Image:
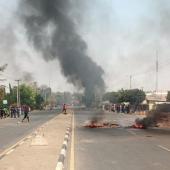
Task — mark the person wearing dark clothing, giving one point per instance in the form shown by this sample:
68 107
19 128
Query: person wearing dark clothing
11 112
14 112
26 113
118 108
1 113
18 112
64 109
127 109
123 108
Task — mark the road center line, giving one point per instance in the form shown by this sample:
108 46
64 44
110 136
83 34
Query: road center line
164 148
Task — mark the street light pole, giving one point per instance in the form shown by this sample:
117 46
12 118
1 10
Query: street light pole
157 70
18 93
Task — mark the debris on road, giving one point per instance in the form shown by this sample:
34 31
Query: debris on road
100 124
160 117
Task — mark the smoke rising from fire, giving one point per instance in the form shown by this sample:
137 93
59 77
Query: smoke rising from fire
52 30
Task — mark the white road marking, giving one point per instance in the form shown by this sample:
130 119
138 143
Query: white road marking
9 151
72 146
164 148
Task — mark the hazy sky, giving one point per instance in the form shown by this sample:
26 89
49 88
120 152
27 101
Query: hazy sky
122 36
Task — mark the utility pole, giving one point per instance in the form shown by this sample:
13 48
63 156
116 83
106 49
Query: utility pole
157 71
130 81
18 93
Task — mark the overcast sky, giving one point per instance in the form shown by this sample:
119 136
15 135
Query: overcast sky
122 36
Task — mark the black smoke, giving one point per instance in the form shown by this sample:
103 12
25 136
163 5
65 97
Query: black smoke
53 32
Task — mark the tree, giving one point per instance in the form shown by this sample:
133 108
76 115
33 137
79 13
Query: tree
134 96
38 101
27 95
2 94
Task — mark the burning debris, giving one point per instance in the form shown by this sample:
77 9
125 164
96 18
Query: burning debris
142 123
93 124
156 118
97 122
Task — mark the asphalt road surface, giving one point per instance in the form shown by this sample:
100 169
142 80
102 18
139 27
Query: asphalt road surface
12 130
119 148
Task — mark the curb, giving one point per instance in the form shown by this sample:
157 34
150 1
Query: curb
62 156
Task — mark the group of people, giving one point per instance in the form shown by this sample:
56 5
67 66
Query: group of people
15 112
121 108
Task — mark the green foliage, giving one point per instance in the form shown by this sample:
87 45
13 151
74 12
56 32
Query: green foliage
134 96
27 95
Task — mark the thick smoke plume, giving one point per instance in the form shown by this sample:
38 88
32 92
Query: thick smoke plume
52 30
3 67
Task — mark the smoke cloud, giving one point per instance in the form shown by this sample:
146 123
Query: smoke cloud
28 77
52 30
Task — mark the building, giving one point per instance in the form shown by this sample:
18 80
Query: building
152 98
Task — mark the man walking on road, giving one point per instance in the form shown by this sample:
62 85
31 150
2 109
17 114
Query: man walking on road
64 109
26 112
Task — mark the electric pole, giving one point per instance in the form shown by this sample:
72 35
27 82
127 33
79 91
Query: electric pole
157 70
130 81
18 93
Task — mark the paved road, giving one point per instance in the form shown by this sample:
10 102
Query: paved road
120 148
11 130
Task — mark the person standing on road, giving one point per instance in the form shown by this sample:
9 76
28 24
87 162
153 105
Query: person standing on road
1 113
11 112
26 110
14 112
64 109
18 111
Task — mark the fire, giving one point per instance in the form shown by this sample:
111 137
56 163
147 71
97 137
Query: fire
138 126
95 124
